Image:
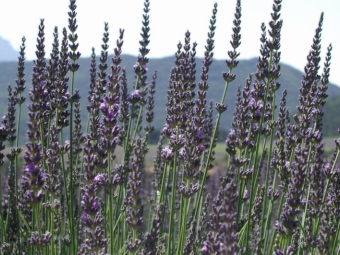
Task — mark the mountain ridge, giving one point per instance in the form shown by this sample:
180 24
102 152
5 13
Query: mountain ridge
290 80
7 52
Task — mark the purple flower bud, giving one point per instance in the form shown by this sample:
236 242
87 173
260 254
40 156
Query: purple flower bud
103 106
180 138
31 169
182 153
165 128
205 247
135 66
139 70
42 84
167 154
200 134
327 169
135 93
84 218
252 102
95 205
99 179
287 164
200 147
135 96
278 252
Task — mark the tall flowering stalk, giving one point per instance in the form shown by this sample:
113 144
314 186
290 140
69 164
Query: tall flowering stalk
221 107
33 177
15 98
3 201
110 137
74 55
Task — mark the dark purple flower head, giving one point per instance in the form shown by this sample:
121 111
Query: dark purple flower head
200 134
166 130
85 219
100 179
180 138
140 70
3 133
327 169
113 112
309 132
278 252
95 204
31 169
317 136
42 85
200 147
135 96
182 153
177 143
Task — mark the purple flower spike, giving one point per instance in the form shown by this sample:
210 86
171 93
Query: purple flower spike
31 169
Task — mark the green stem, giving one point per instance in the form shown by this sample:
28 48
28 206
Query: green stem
71 191
265 221
2 220
327 187
199 198
336 240
16 177
172 205
271 246
183 220
66 193
256 163
53 251
138 120
111 208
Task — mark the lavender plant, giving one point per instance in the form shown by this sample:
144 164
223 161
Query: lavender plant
277 193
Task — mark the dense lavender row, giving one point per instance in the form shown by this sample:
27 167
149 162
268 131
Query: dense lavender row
277 194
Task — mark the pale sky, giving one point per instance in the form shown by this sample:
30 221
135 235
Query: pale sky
170 19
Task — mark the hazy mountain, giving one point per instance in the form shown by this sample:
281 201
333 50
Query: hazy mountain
7 53
290 80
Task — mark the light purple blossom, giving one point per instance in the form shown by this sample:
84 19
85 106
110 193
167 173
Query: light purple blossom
135 93
167 153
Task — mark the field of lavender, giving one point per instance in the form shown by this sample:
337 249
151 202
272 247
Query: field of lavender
69 191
